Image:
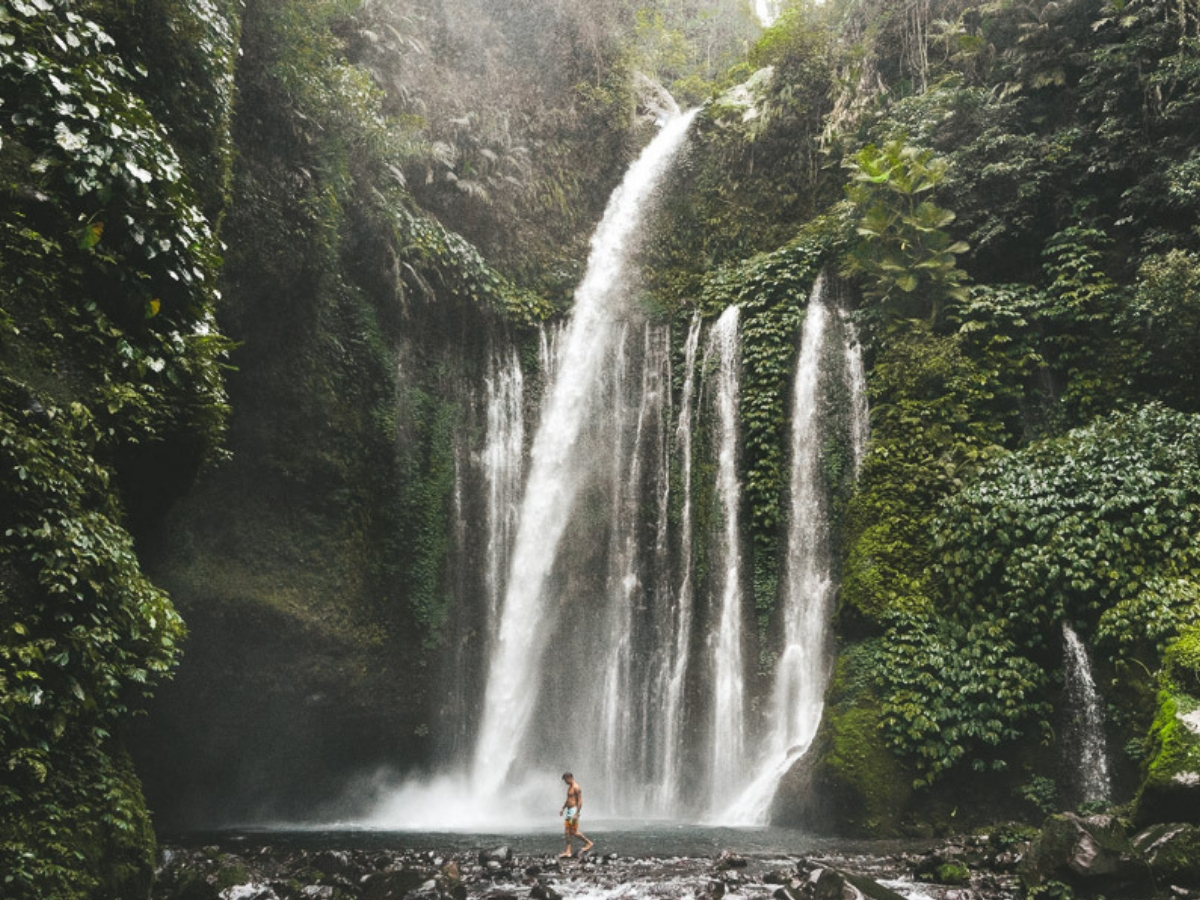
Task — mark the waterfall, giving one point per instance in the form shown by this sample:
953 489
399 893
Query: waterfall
802 668
1085 736
674 660
503 465
556 474
767 12
856 387
625 712
727 728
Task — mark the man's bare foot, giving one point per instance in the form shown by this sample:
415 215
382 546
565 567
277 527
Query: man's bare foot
566 855
590 845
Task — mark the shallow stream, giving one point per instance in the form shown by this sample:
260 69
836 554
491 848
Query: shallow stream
641 861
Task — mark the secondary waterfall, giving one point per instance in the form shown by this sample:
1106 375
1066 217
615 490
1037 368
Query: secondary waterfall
728 724
675 658
558 470
1085 737
802 667
503 466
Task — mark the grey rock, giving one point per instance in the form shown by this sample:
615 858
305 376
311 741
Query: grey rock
1093 854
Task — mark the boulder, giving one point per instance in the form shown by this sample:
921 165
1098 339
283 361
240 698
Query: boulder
730 860
1173 853
1092 854
502 855
1171 789
393 885
825 884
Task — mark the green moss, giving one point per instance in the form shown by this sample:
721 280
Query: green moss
954 873
871 783
232 872
1177 748
1181 662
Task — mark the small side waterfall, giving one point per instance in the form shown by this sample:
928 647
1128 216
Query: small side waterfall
728 724
802 668
1085 737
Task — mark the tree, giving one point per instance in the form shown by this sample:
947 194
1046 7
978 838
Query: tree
904 256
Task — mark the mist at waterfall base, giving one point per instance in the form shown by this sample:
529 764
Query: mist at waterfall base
608 651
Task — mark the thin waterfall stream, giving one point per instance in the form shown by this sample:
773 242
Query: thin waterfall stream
802 667
728 686
1086 744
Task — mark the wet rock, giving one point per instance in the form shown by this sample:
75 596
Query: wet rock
1171 790
782 894
728 860
501 855
394 885
249 892
317 892
185 884
542 891
866 888
1173 853
943 866
1092 854
333 862
714 890
824 884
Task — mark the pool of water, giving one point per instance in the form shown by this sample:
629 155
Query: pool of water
629 839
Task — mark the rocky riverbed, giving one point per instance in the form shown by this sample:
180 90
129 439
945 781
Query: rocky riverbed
976 868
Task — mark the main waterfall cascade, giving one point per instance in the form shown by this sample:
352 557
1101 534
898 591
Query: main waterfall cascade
1087 747
565 470
613 608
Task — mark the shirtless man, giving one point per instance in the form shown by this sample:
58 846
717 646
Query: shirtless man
571 808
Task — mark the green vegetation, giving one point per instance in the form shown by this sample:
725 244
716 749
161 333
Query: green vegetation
111 396
368 198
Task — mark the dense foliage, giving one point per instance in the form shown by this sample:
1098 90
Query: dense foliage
1011 189
112 394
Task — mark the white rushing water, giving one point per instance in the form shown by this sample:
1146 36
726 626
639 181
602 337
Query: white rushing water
556 472
802 667
503 466
675 658
728 689
1086 744
637 420
615 626
767 11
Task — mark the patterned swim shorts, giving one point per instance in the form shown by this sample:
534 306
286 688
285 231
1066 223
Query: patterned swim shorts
571 822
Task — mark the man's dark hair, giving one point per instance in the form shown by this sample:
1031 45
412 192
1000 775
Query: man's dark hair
567 775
